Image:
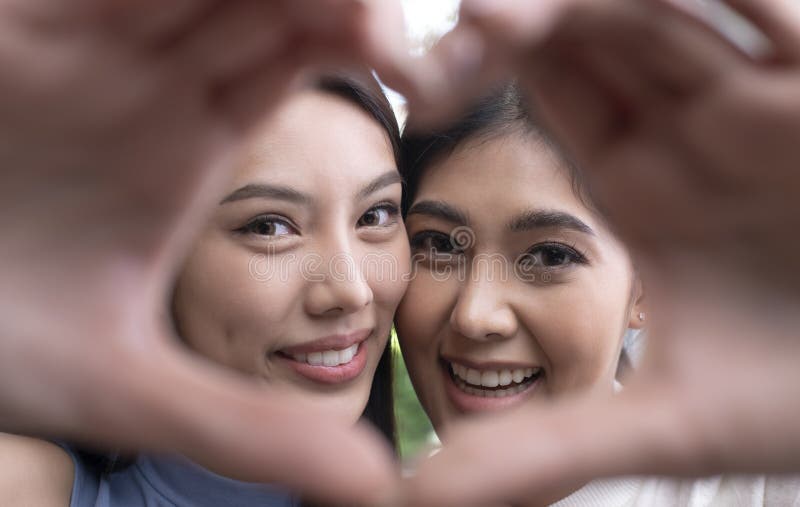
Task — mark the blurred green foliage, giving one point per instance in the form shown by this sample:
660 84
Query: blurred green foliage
414 430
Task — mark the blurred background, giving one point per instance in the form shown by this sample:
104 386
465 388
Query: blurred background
426 22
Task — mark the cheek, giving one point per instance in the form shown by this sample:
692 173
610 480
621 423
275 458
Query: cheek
421 317
387 274
423 312
579 329
227 309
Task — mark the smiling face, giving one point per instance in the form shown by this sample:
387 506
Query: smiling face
297 276
520 293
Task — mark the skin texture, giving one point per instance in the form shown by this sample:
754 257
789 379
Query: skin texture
134 131
240 314
121 119
688 147
34 472
567 314
567 318
232 317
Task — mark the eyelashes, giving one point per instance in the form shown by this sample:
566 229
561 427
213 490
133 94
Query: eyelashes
273 226
381 215
553 255
269 226
434 242
550 255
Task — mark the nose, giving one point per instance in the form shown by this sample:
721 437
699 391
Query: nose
340 289
481 312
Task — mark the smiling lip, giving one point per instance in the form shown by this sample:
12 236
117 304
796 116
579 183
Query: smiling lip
486 365
329 374
332 342
470 403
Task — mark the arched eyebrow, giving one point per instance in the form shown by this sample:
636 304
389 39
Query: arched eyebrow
540 219
284 193
440 210
267 191
384 180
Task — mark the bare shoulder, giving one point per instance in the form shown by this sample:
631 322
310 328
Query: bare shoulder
34 472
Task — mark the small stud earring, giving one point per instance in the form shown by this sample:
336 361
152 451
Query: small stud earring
641 316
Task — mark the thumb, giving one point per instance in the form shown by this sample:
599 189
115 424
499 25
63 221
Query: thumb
241 430
542 454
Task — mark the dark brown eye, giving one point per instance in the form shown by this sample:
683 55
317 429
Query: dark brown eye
379 216
432 242
551 256
371 218
267 226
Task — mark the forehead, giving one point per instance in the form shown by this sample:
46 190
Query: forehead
497 178
315 140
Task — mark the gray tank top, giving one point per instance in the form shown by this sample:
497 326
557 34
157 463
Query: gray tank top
167 481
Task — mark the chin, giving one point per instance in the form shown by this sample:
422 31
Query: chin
345 407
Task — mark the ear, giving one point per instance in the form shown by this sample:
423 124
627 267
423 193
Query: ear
638 313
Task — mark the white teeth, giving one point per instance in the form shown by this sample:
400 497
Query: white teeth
328 357
473 377
492 378
486 393
346 355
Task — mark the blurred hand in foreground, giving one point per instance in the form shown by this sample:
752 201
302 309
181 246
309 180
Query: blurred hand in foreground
689 145
118 120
